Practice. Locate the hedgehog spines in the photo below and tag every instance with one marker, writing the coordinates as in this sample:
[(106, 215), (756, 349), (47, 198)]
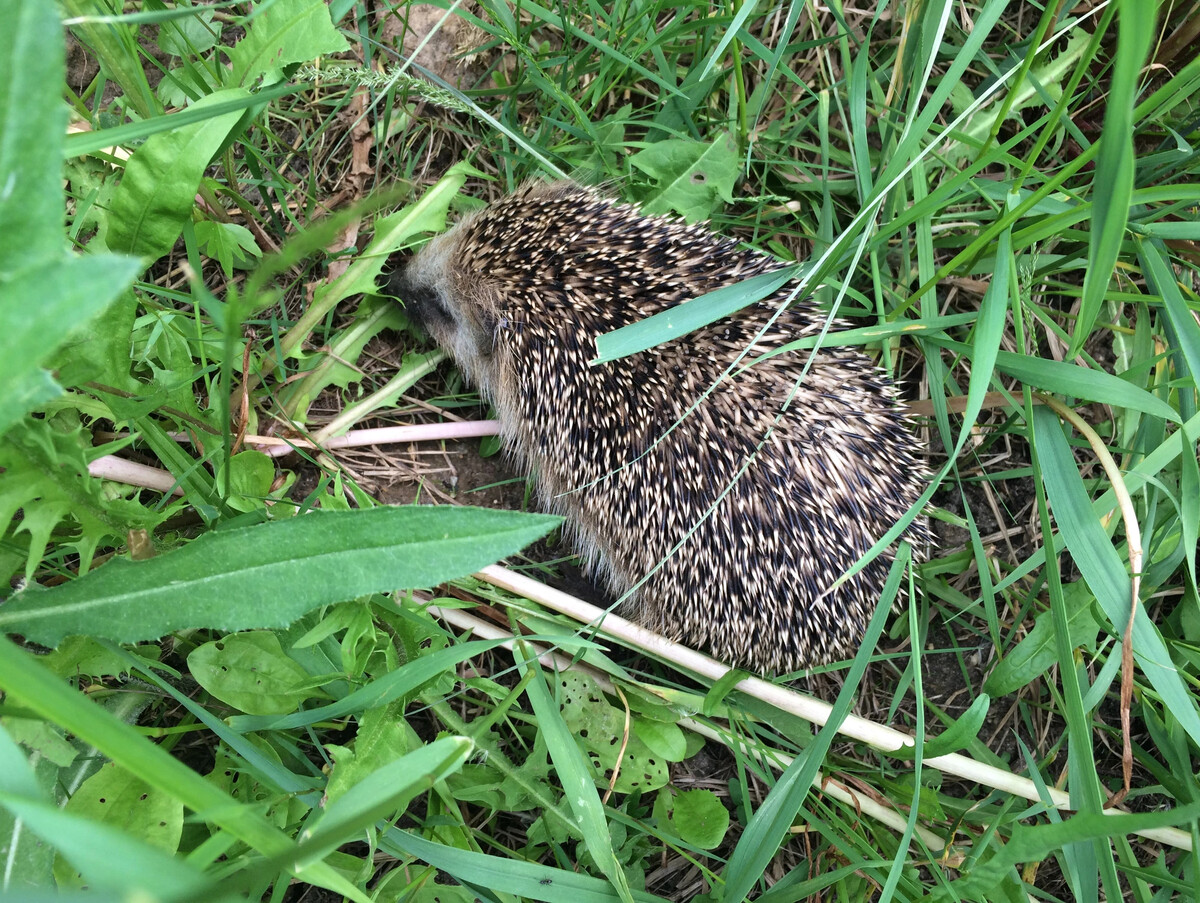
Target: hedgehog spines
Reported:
[(765, 505)]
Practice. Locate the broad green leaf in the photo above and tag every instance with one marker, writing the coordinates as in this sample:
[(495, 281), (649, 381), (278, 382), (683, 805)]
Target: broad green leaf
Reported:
[(1116, 165), (594, 723), (382, 690), (27, 683), (695, 178), (288, 31), (382, 735), (1036, 651), (33, 120), (44, 292), (251, 475), (101, 353), (124, 802), (158, 190), (961, 732), (192, 33), (1104, 571), (251, 672), (689, 316), (662, 738), (268, 575), (384, 791), (699, 818)]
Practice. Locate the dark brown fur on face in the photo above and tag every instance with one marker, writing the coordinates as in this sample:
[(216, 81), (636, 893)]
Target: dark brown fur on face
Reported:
[(737, 518)]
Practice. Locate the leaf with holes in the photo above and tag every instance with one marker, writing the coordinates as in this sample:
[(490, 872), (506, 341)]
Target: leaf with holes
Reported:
[(250, 672), (114, 797), (694, 178)]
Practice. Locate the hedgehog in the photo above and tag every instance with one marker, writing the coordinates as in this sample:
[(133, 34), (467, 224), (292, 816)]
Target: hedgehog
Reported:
[(719, 503)]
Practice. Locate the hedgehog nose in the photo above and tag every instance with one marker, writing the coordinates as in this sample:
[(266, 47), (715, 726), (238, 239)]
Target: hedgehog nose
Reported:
[(393, 271), (396, 281), (422, 302)]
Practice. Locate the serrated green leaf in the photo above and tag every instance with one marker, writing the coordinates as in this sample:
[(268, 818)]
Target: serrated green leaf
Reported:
[(69, 292), (695, 178), (81, 143), (1036, 651), (158, 190), (391, 232), (229, 243), (288, 31), (268, 575)]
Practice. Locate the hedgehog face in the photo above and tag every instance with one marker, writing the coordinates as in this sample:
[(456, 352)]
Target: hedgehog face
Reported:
[(458, 321)]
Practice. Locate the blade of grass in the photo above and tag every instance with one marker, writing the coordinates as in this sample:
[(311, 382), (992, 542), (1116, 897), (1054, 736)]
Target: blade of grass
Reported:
[(574, 775), (1105, 573), (770, 823), (1116, 165)]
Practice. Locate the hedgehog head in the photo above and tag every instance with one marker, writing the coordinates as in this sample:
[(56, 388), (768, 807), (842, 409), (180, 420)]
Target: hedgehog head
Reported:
[(461, 315)]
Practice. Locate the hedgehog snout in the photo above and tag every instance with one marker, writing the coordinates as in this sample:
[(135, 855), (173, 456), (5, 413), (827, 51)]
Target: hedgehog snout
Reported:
[(425, 285), (423, 303)]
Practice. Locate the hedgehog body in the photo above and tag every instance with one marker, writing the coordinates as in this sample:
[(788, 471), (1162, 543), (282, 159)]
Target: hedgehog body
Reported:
[(724, 521)]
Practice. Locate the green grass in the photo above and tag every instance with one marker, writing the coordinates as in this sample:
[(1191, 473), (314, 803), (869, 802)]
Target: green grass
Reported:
[(1002, 198)]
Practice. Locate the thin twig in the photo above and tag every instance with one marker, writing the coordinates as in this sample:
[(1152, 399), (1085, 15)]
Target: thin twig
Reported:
[(813, 710)]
